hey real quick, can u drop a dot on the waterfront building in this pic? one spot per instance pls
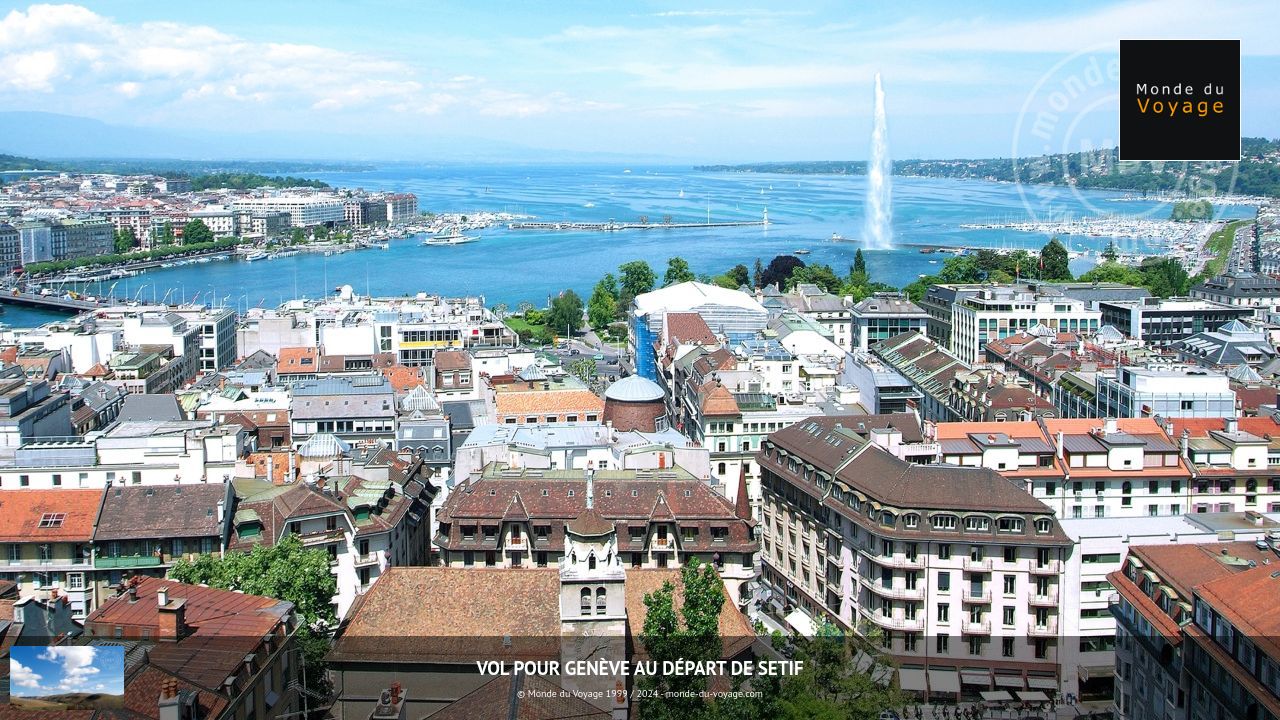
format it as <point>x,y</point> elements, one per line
<point>401,207</point>
<point>1194,632</point>
<point>516,517</point>
<point>10,248</point>
<point>203,652</point>
<point>134,216</point>
<point>957,568</point>
<point>1230,346</point>
<point>304,210</point>
<point>222,222</point>
<point>65,238</point>
<point>1165,321</point>
<point>1255,291</point>
<point>882,316</point>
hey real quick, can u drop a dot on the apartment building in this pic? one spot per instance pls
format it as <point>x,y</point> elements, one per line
<point>30,410</point>
<point>517,517</point>
<point>10,248</point>
<point>1255,291</point>
<point>723,311</point>
<point>997,312</point>
<point>1235,463</point>
<point>401,207</point>
<point>813,303</point>
<point>930,368</point>
<point>352,408</point>
<point>957,568</point>
<point>1163,321</point>
<point>365,523</point>
<point>1163,390</point>
<point>882,316</point>
<point>47,537</point>
<point>207,653</point>
<point>1195,629</point>
<point>304,210</point>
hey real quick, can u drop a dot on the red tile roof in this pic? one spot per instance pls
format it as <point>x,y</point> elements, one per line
<point>452,360</point>
<point>684,328</point>
<point>402,378</point>
<point>63,515</point>
<point>298,360</point>
<point>1200,427</point>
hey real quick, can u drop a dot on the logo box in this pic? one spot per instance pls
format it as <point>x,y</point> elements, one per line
<point>1180,100</point>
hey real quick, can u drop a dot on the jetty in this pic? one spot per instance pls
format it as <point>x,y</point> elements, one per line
<point>53,302</point>
<point>614,226</point>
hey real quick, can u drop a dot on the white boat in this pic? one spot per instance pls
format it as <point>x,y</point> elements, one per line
<point>452,238</point>
<point>589,205</point>
<point>255,255</point>
<point>802,252</point>
<point>836,237</point>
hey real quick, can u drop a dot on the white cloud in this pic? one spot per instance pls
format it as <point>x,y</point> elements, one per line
<point>77,664</point>
<point>129,89</point>
<point>23,676</point>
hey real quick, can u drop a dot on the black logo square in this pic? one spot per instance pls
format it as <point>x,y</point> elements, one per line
<point>1179,99</point>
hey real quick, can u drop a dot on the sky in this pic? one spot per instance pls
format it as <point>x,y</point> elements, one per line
<point>55,670</point>
<point>683,80</point>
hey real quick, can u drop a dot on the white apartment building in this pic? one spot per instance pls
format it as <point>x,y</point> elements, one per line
<point>222,222</point>
<point>997,312</point>
<point>304,210</point>
<point>1165,391</point>
<point>131,453</point>
<point>958,569</point>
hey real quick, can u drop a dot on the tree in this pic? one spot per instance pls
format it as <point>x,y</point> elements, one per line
<point>779,271</point>
<point>297,236</point>
<point>830,683</point>
<point>501,310</point>
<point>1054,261</point>
<point>602,308</point>
<point>286,571</point>
<point>125,241</point>
<point>637,278</point>
<point>859,262</point>
<point>1110,254</point>
<point>1165,277</point>
<point>196,232</point>
<point>584,368</point>
<point>757,274</point>
<point>667,639</point>
<point>565,313</point>
<point>677,272</point>
<point>523,308</point>
<point>821,275</point>
<point>166,235</point>
<point>321,232</point>
<point>1113,272</point>
<point>739,275</point>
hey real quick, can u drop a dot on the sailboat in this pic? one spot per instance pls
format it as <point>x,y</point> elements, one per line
<point>453,237</point>
<point>681,192</point>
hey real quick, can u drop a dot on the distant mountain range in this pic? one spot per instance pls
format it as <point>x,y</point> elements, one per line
<point>54,136</point>
<point>1258,172</point>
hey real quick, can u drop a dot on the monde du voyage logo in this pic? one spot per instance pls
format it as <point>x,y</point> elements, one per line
<point>1180,100</point>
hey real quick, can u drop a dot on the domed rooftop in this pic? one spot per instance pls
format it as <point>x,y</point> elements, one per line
<point>634,389</point>
<point>323,445</point>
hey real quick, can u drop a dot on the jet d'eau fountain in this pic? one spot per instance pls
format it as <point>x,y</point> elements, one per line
<point>877,232</point>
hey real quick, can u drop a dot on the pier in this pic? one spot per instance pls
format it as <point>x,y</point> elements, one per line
<point>612,226</point>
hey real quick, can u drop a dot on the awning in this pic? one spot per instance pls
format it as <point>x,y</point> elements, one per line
<point>801,623</point>
<point>1044,683</point>
<point>1009,681</point>
<point>996,696</point>
<point>911,679</point>
<point>976,677</point>
<point>944,681</point>
<point>1033,696</point>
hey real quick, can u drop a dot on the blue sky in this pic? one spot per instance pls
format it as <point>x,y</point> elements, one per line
<point>695,80</point>
<point>55,670</point>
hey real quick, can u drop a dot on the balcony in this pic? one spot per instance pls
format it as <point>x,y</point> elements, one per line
<point>663,544</point>
<point>893,561</point>
<point>977,596</point>
<point>128,561</point>
<point>1043,600</point>
<point>983,627</point>
<point>1048,628</point>
<point>972,565</point>
<point>517,543</point>
<point>897,623</point>
<point>896,593</point>
<point>50,564</point>
<point>368,559</point>
<point>1052,567</point>
<point>324,537</point>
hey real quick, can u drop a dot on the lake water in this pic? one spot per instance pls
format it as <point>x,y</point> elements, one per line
<point>515,265</point>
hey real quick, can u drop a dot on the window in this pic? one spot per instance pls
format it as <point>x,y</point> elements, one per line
<point>490,558</point>
<point>944,613</point>
<point>24,481</point>
<point>585,602</point>
<point>51,520</point>
<point>944,551</point>
<point>1010,584</point>
<point>941,644</point>
<point>57,479</point>
<point>601,603</point>
<point>1006,646</point>
<point>1010,554</point>
<point>1008,617</point>
<point>1011,525</point>
<point>944,582</point>
<point>1043,526</point>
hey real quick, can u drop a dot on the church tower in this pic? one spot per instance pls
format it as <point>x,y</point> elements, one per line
<point>593,605</point>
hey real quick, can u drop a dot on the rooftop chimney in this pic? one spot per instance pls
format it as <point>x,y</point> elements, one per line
<point>162,595</point>
<point>1185,443</point>
<point>591,487</point>
<point>1232,424</point>
<point>1110,426</point>
<point>391,704</point>
<point>133,594</point>
<point>173,620</point>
